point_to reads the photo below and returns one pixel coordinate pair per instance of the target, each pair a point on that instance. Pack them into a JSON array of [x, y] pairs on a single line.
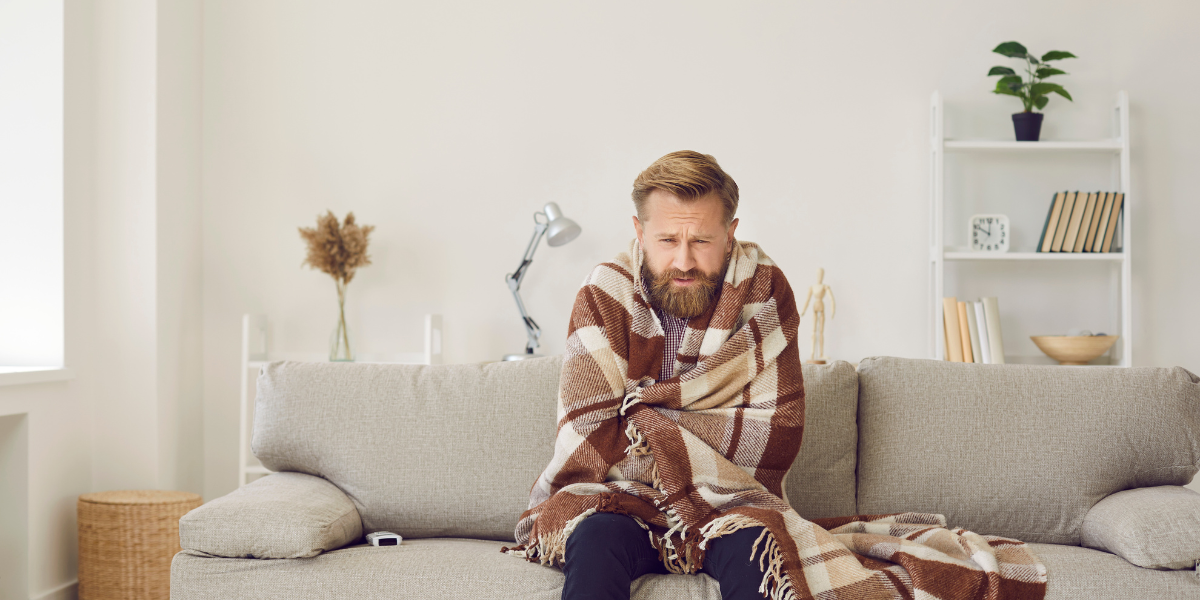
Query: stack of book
[[1081, 222], [973, 331]]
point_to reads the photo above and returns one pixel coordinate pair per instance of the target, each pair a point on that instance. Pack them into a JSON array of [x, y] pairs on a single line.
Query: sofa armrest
[[282, 515], [1155, 527]]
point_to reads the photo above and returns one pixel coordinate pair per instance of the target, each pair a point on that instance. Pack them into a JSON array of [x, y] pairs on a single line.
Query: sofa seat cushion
[[1021, 451], [1079, 573], [463, 568], [420, 569]]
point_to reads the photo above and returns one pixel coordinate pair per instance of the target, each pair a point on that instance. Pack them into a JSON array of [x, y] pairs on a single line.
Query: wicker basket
[[126, 542]]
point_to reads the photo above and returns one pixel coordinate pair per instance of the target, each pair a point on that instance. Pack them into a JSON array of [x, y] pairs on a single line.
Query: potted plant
[[1031, 89]]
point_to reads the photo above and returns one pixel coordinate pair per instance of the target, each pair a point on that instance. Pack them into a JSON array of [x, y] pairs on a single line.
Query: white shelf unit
[[1120, 263], [255, 356]]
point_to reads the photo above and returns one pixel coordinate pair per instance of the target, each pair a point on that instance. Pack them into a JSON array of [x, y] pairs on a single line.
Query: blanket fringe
[[775, 583], [631, 398], [638, 446], [550, 549]]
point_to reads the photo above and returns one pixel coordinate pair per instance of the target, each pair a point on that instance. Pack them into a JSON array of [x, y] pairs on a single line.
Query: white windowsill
[[27, 375]]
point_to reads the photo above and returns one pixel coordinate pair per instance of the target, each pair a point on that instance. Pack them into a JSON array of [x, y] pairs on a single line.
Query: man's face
[[686, 245]]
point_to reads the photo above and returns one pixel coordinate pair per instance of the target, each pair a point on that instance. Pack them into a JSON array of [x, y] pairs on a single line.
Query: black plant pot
[[1028, 126]]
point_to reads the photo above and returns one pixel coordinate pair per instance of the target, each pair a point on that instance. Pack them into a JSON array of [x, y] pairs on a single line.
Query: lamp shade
[[560, 230]]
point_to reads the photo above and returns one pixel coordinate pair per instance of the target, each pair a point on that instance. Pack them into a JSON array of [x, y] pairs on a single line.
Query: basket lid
[[141, 497]]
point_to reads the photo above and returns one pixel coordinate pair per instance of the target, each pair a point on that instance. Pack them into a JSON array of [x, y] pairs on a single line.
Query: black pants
[[606, 552]]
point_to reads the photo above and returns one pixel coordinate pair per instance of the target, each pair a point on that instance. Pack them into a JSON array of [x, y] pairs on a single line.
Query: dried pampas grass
[[337, 249]]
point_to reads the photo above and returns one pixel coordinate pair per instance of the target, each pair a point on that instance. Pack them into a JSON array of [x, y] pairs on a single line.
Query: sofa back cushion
[[424, 451], [821, 483], [452, 451], [1020, 451]]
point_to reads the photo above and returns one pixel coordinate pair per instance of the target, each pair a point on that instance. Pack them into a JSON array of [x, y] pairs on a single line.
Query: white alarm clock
[[988, 233]]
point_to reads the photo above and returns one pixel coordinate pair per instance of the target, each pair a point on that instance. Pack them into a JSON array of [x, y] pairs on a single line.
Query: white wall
[[179, 334], [132, 416], [148, 407], [447, 124], [125, 259]]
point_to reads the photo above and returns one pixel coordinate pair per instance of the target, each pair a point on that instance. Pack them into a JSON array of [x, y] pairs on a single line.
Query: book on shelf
[[964, 330], [972, 330], [954, 350], [991, 312], [1095, 222], [1056, 206], [1111, 231], [1102, 226], [973, 327], [981, 325], [1088, 208], [1082, 222]]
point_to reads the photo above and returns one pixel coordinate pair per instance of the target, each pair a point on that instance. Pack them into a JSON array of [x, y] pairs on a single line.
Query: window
[[31, 184]]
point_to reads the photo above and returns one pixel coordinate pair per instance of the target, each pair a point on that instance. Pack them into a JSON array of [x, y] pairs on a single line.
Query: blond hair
[[690, 176]]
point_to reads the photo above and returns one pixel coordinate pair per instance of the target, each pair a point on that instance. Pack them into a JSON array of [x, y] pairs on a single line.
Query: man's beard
[[679, 301]]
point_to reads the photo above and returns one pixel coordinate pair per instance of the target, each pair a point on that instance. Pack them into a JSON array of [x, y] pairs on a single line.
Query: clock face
[[989, 233]]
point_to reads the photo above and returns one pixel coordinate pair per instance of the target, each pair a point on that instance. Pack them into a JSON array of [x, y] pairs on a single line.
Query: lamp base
[[521, 356]]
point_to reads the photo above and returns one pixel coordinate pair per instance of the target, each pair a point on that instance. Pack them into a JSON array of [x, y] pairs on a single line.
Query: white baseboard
[[66, 591]]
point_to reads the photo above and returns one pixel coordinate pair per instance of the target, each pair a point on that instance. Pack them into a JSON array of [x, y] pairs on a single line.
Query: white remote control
[[384, 538]]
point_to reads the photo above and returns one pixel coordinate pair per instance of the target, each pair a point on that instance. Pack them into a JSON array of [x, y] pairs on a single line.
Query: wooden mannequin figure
[[816, 293]]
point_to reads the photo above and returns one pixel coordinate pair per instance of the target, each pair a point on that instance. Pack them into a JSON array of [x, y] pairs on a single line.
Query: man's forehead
[[668, 216], [676, 225]]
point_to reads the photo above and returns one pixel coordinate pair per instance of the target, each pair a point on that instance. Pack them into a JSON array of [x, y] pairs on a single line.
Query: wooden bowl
[[1074, 349]]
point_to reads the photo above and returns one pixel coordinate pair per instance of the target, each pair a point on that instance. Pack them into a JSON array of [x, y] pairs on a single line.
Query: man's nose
[[684, 261]]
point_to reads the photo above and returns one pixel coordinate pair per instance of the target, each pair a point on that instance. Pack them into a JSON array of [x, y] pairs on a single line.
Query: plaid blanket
[[705, 453]]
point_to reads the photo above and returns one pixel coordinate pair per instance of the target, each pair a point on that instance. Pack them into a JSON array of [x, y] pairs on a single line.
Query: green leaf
[[1057, 55], [1001, 71], [1011, 50], [1045, 72], [1012, 82], [1002, 88], [1041, 101], [1041, 89]]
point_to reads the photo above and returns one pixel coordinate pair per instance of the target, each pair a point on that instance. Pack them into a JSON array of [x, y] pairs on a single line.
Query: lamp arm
[[514, 279], [532, 331]]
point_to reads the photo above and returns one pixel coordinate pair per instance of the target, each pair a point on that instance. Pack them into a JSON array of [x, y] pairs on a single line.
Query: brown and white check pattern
[[704, 453]]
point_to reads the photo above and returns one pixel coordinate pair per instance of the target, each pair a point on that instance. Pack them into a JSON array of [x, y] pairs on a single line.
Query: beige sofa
[[1085, 463]]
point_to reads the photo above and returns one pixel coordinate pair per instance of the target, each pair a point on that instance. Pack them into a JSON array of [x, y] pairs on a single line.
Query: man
[[681, 409], [666, 307]]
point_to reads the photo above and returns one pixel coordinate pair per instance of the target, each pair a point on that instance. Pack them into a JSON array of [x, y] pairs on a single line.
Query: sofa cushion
[[1074, 573], [424, 451], [1020, 451], [417, 569], [821, 482], [1156, 528], [283, 515], [459, 568]]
